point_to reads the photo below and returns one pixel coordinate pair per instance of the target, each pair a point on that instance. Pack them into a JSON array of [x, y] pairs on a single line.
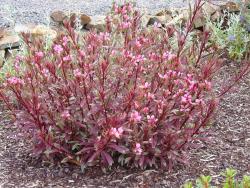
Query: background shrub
[[232, 34]]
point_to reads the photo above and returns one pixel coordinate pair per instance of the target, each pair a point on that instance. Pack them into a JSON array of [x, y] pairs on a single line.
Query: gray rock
[[9, 40], [2, 55]]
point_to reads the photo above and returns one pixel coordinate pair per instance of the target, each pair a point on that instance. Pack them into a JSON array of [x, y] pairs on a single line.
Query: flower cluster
[[15, 81]]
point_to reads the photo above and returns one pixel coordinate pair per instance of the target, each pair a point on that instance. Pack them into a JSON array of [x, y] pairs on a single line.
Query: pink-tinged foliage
[[123, 95]]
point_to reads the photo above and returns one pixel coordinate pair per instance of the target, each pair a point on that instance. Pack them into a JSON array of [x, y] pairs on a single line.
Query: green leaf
[[75, 146], [204, 181], [65, 160], [188, 185]]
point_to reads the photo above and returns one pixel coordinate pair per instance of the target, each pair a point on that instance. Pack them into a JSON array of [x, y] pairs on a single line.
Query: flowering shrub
[[122, 95]]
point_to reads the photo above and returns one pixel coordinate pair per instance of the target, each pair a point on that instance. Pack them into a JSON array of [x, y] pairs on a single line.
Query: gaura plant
[[123, 95]]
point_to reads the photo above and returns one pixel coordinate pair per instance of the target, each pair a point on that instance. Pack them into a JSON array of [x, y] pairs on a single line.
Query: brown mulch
[[228, 146]]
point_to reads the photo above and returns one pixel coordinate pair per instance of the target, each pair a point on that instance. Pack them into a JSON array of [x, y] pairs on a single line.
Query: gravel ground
[[38, 11]]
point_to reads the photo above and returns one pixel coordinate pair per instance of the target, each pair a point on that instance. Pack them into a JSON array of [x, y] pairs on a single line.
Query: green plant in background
[[204, 181], [188, 185], [10, 64], [230, 181], [201, 182], [6, 68], [245, 182], [233, 36]]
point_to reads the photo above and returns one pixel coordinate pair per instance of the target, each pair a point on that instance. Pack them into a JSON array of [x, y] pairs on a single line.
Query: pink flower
[[67, 58], [18, 59], [127, 54], [167, 92], [199, 102], [65, 40], [17, 66], [15, 81], [116, 132], [151, 119], [153, 57], [90, 47], [113, 52], [150, 96], [129, 7], [135, 117], [192, 86], [136, 104], [39, 54], [65, 114], [124, 10], [104, 36], [125, 17], [168, 56], [208, 85], [138, 44], [82, 53], [145, 109], [163, 76], [145, 86], [116, 8], [125, 25], [172, 73], [189, 76], [138, 149], [184, 108], [186, 99], [171, 57], [45, 72], [156, 26], [138, 58], [78, 73], [58, 48], [165, 55]]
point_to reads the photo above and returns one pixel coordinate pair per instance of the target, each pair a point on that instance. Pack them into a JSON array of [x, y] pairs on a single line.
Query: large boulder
[[73, 19], [247, 3], [42, 30], [1, 32], [163, 19], [153, 20], [8, 39], [181, 15], [58, 16], [231, 7], [85, 19], [36, 30], [165, 12], [2, 56], [212, 11], [97, 22]]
